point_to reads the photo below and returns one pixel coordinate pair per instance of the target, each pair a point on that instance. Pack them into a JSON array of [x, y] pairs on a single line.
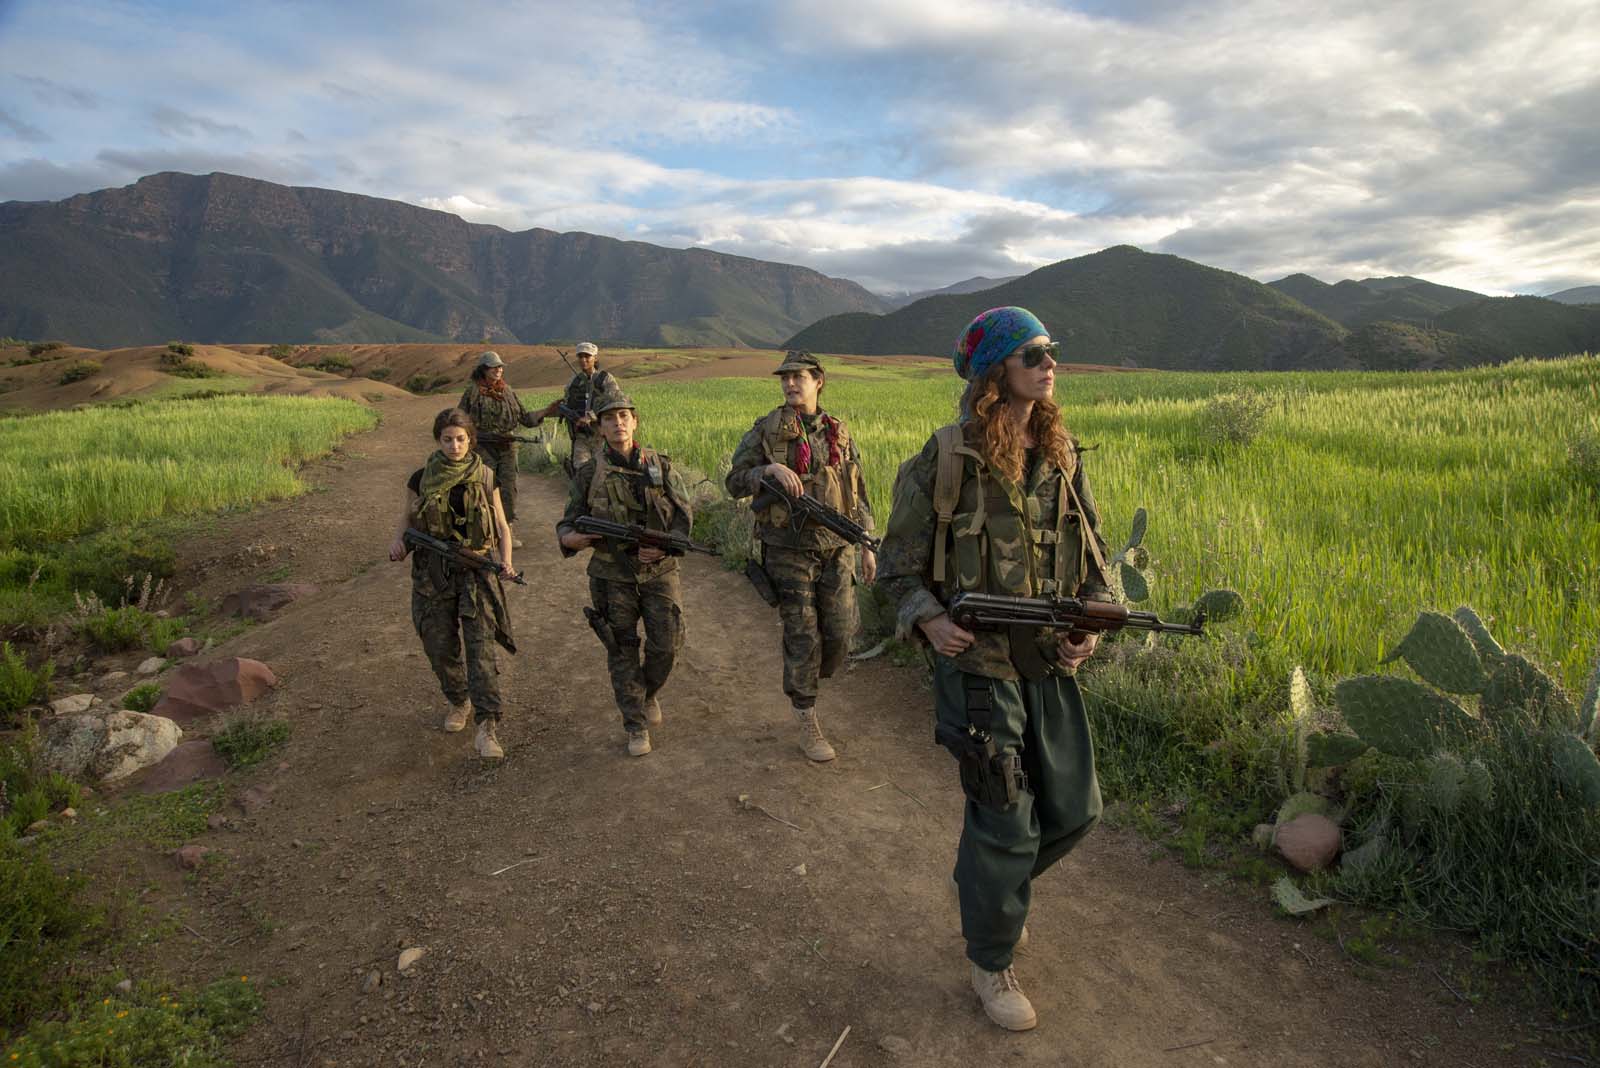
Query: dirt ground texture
[[578, 907]]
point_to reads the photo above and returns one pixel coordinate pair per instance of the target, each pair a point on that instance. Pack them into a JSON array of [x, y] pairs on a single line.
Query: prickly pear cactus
[[1331, 750], [1577, 768], [1400, 717], [1129, 579], [1589, 710], [1489, 651], [1441, 652], [1519, 694], [1219, 605]]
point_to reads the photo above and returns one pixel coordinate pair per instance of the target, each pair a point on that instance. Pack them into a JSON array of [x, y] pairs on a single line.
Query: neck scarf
[[802, 453], [439, 476]]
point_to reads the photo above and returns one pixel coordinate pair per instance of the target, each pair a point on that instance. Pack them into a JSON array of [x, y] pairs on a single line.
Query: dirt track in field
[[582, 908]]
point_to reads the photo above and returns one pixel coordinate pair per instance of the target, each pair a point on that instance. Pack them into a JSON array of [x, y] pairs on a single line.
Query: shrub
[[78, 372], [246, 738], [145, 1029], [129, 626], [280, 352], [177, 352], [1233, 418], [39, 348], [115, 565], [142, 698], [380, 374], [41, 924], [336, 363], [19, 685], [192, 369], [427, 383]]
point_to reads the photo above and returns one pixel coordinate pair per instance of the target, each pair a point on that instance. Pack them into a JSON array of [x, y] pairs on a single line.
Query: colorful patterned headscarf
[[993, 336]]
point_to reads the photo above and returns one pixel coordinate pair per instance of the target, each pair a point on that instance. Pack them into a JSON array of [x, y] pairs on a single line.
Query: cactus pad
[[1489, 650], [1140, 520], [1400, 717], [1441, 652], [1304, 802], [1577, 768], [1333, 750], [1134, 585], [1139, 557], [1219, 605], [1478, 784], [1292, 899], [1519, 694], [1445, 781], [1589, 710]]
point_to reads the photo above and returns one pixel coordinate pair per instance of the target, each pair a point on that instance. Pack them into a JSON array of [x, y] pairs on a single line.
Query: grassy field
[[77, 471], [1364, 497]]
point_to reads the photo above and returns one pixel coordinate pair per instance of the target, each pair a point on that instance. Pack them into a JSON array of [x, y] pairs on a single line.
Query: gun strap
[[980, 701]]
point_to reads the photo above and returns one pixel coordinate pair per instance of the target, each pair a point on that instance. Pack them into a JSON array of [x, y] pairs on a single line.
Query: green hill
[[1580, 295], [1120, 305], [224, 258], [1354, 304]]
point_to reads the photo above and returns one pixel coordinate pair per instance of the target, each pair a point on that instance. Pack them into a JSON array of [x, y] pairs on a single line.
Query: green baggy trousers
[[502, 460], [1003, 850]]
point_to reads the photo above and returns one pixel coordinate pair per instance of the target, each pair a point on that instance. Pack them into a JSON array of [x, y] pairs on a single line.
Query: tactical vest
[[612, 496], [989, 536], [833, 485], [433, 513]]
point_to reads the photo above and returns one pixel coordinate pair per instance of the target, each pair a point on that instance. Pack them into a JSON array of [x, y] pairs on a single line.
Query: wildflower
[[121, 1014]]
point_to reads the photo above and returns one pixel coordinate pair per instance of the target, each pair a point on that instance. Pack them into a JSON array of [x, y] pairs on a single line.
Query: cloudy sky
[[903, 143]]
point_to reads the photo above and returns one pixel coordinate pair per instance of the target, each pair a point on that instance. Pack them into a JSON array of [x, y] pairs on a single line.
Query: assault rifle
[[803, 510], [456, 554], [504, 439], [635, 535], [972, 611]]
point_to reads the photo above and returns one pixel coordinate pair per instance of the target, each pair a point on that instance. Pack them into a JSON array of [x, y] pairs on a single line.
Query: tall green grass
[[1364, 497], [76, 471]]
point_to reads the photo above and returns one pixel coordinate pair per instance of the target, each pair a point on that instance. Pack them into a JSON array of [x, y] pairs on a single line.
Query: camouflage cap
[[612, 401], [588, 348], [799, 361], [491, 359]]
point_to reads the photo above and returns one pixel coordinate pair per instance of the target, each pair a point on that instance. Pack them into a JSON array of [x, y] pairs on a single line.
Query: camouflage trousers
[[502, 460], [449, 611], [584, 448], [620, 606], [817, 603]]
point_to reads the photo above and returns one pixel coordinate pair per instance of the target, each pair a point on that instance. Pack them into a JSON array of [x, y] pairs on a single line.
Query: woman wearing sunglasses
[[998, 502]]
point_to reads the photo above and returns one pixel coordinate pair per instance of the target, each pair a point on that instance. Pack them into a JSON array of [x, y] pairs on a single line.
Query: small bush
[[246, 739], [19, 685], [129, 626], [192, 369], [177, 352], [336, 363], [380, 374], [1583, 459], [78, 372], [112, 565], [142, 698], [39, 348], [1234, 418], [427, 383], [280, 352], [41, 925], [146, 1029]]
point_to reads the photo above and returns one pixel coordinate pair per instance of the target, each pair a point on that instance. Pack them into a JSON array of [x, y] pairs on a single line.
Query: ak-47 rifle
[[634, 535], [456, 554], [990, 611], [503, 439], [803, 510]]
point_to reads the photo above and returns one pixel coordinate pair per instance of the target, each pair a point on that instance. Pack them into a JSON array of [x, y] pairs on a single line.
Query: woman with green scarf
[[453, 497]]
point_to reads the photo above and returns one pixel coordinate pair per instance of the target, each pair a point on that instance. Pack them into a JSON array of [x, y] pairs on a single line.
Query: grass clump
[[280, 351], [130, 625], [1233, 418], [1583, 459], [427, 383], [41, 925], [148, 1028], [41, 348], [143, 697], [178, 360], [247, 738], [20, 685], [77, 372], [177, 352], [336, 363], [379, 374]]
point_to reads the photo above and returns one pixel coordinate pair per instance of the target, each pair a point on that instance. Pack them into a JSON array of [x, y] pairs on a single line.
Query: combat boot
[[1003, 999], [516, 542], [812, 743], [638, 743], [652, 712], [456, 719], [487, 744]]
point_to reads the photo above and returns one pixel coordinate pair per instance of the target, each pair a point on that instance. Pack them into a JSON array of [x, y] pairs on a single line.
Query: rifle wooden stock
[[458, 554]]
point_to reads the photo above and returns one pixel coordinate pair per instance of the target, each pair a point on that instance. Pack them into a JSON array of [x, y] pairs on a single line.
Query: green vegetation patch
[[145, 1029], [77, 372], [20, 685], [427, 383], [247, 738]]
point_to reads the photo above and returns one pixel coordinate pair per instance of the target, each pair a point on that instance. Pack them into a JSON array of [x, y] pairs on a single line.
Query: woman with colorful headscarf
[[997, 502], [453, 497]]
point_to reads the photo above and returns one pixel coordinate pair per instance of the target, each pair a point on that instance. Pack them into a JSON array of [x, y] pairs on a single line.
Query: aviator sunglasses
[[1033, 355]]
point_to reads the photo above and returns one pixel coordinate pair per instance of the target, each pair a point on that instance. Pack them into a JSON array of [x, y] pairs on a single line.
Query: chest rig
[[782, 434], [623, 495]]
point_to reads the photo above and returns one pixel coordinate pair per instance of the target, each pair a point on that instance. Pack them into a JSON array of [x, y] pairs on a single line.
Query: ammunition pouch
[[756, 571], [989, 777], [602, 630]]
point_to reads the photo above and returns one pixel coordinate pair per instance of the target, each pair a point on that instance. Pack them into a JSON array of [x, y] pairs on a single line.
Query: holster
[[989, 776], [602, 629], [756, 571]]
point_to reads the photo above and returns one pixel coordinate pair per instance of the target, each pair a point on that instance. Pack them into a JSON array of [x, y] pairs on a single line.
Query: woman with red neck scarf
[[807, 451], [498, 413]]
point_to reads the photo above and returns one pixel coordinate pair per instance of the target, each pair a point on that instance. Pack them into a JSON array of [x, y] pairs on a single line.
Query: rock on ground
[[183, 647], [107, 747], [72, 704], [1309, 841], [198, 690], [190, 762], [259, 602], [151, 666]]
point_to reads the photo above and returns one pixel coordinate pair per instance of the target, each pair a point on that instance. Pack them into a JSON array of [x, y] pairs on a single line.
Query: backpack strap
[[1085, 534], [947, 489]]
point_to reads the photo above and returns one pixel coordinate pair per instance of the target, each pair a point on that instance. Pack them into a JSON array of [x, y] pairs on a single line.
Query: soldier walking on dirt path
[[807, 451], [588, 387], [453, 497], [497, 410], [625, 482], [998, 503]]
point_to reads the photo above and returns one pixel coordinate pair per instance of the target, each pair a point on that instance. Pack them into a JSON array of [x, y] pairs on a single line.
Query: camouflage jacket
[[1017, 523], [583, 393], [500, 413], [627, 492], [755, 450]]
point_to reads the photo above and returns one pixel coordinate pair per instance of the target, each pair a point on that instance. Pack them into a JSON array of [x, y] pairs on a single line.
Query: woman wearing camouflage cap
[[625, 482], [998, 502], [587, 388], [498, 413]]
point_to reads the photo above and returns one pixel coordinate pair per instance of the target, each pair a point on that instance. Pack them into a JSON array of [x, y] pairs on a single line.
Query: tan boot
[[812, 743], [487, 744], [955, 895], [516, 542], [638, 743], [1003, 999], [652, 712], [456, 719]]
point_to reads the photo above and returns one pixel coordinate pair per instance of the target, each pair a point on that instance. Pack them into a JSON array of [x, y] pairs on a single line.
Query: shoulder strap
[[769, 432], [946, 489], [597, 492]]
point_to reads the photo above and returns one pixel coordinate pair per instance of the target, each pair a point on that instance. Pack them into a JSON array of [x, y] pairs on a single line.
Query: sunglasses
[[1033, 355]]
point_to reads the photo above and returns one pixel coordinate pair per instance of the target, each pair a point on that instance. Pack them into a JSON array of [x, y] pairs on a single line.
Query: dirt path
[[581, 908]]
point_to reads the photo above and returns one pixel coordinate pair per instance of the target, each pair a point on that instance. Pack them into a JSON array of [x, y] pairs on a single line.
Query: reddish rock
[[198, 690], [189, 763], [183, 647], [259, 602], [1309, 842], [190, 857]]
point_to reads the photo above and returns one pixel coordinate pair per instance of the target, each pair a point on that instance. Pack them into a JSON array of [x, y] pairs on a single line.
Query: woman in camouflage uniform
[[453, 497], [1011, 514], [497, 410], [625, 482]]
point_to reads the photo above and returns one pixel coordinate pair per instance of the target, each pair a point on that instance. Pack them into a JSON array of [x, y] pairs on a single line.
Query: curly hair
[[1001, 442], [455, 417]]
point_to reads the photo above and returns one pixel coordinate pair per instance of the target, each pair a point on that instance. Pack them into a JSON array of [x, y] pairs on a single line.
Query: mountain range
[[223, 258]]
